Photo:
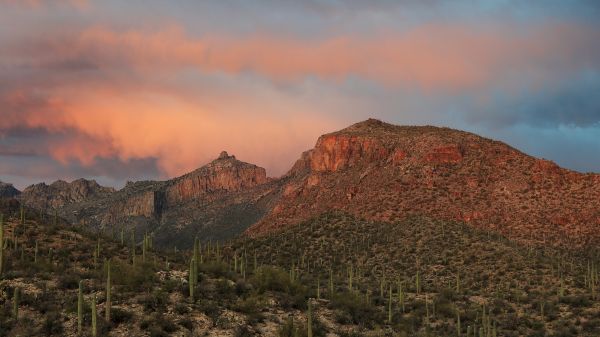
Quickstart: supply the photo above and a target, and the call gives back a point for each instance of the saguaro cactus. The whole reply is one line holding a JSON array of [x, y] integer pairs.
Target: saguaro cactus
[[22, 215], [330, 283], [318, 288], [133, 247], [309, 332], [390, 306], [108, 294], [192, 279], [458, 329], [1, 242], [80, 308], [94, 317], [16, 299]]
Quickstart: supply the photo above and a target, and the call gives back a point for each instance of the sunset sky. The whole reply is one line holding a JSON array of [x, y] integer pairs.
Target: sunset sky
[[150, 89]]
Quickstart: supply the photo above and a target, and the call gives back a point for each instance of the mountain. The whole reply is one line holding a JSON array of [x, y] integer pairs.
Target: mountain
[[61, 193], [8, 190], [215, 202], [379, 171], [372, 170]]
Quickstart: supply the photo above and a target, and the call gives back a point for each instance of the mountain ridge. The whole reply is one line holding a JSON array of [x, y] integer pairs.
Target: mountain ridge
[[380, 171], [371, 169]]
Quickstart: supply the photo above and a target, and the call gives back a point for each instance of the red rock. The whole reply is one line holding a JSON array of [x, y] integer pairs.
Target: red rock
[[445, 154], [488, 184]]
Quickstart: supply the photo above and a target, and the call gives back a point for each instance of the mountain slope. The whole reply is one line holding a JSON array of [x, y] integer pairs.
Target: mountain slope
[[215, 202], [436, 270], [61, 193], [384, 172], [8, 190]]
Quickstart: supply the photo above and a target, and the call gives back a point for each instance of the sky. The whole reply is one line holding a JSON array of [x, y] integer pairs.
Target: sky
[[151, 89]]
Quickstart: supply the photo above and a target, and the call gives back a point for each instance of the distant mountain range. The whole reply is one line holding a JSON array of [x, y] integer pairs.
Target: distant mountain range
[[372, 170]]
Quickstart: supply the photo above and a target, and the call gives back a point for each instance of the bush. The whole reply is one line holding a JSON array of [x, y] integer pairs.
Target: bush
[[119, 316], [358, 311], [52, 324]]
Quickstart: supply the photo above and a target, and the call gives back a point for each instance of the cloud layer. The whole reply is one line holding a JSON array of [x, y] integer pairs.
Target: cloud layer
[[84, 92]]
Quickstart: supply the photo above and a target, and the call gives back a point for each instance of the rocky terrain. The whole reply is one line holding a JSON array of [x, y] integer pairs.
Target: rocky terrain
[[385, 172], [380, 230], [215, 202], [372, 170], [61, 193], [8, 190], [415, 277]]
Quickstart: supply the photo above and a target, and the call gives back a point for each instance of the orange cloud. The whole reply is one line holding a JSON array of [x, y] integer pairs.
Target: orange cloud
[[137, 112], [429, 56], [39, 3], [180, 132]]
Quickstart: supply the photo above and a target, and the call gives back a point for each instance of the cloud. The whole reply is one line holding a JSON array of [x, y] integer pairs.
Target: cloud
[[96, 98], [38, 4], [441, 56]]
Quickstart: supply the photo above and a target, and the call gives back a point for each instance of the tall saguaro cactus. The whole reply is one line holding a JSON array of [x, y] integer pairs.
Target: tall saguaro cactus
[[80, 309], [309, 332], [1, 242], [94, 317], [192, 278], [108, 294], [390, 306], [16, 299]]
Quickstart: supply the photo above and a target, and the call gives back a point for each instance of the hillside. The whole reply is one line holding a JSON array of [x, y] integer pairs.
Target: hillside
[[360, 278], [215, 202], [434, 271], [47, 260], [8, 190], [372, 170], [385, 172]]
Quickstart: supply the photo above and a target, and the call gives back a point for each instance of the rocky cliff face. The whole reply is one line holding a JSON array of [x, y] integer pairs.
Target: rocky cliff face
[[380, 171], [225, 174], [372, 170], [8, 190], [61, 193], [216, 201]]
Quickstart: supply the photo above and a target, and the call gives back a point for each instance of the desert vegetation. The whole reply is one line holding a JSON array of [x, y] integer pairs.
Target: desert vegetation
[[333, 274]]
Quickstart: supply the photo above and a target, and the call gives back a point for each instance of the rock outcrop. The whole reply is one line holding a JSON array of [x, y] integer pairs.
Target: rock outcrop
[[379, 171], [226, 173], [8, 190], [372, 170], [61, 193], [215, 202]]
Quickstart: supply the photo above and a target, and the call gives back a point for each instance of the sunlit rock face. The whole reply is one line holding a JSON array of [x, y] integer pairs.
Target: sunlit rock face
[[385, 172]]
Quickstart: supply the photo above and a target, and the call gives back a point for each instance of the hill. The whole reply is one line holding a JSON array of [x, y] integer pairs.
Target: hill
[[419, 277], [215, 202], [380, 171]]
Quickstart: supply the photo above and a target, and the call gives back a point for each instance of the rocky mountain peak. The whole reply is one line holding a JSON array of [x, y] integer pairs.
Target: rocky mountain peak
[[225, 155], [8, 190], [225, 173], [385, 172], [61, 193]]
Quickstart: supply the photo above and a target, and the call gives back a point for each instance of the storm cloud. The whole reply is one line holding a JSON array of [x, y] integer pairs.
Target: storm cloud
[[152, 89]]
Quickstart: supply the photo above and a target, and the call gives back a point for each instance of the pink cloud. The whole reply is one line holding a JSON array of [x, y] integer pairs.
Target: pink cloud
[[139, 113]]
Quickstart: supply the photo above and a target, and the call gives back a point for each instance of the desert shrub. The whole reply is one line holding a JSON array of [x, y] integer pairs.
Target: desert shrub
[[154, 302], [356, 310], [52, 324], [119, 316], [187, 323], [181, 309], [251, 306], [133, 278], [68, 281]]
